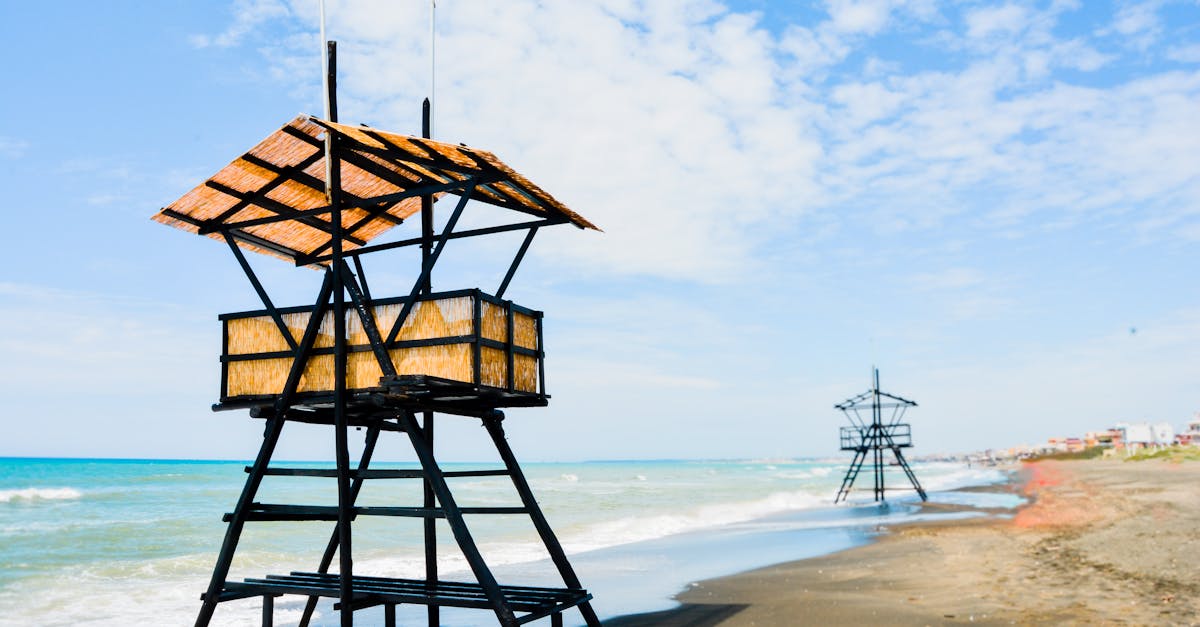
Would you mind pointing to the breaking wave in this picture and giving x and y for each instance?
(39, 494)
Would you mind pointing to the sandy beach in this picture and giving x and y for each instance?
(1100, 542)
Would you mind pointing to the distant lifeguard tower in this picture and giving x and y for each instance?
(872, 436)
(317, 193)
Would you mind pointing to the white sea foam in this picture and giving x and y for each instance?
(39, 494)
(631, 529)
(602, 535)
(953, 476)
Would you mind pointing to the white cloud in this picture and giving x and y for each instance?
(948, 279)
(1138, 24)
(862, 16)
(692, 135)
(1185, 54)
(866, 103)
(248, 15)
(1008, 19)
(653, 130)
(11, 148)
(101, 344)
(1078, 55)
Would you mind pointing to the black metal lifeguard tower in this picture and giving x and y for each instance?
(316, 193)
(875, 437)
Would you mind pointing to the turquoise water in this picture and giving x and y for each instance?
(117, 542)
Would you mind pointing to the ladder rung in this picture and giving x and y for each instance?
(476, 473)
(332, 472)
(273, 512)
(387, 473)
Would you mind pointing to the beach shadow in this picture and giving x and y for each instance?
(682, 616)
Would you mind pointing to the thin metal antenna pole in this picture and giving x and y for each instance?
(432, 60)
(329, 105)
(324, 64)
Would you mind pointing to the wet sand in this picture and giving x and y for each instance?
(1101, 542)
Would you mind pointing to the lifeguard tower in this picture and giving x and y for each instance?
(317, 193)
(874, 435)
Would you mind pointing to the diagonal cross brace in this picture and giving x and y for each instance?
(306, 343)
(428, 266)
(262, 293)
(367, 317)
(512, 269)
(454, 519)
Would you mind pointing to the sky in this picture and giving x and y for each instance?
(996, 204)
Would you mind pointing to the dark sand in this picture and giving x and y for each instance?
(1103, 542)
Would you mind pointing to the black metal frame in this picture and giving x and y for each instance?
(874, 437)
(392, 406)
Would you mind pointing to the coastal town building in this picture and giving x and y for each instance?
(1109, 438)
(1190, 436)
(1125, 437)
(1145, 435)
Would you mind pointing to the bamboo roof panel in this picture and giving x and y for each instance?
(463, 158)
(284, 175)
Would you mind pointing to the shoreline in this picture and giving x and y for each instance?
(1099, 541)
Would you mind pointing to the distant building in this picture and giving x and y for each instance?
(1191, 434)
(1164, 433)
(1020, 451)
(1109, 438)
(1145, 435)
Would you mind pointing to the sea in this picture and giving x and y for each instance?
(102, 542)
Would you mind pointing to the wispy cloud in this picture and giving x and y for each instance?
(104, 343)
(1138, 24)
(11, 148)
(1184, 54)
(247, 15)
(948, 279)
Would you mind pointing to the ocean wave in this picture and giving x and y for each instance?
(590, 536)
(39, 494)
(961, 477)
(631, 529)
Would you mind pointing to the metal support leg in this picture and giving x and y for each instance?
(454, 519)
(233, 533)
(331, 547)
(879, 478)
(433, 612)
(268, 610)
(389, 615)
(557, 555)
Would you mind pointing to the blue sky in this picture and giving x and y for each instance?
(983, 199)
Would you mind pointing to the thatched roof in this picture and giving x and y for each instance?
(285, 175)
